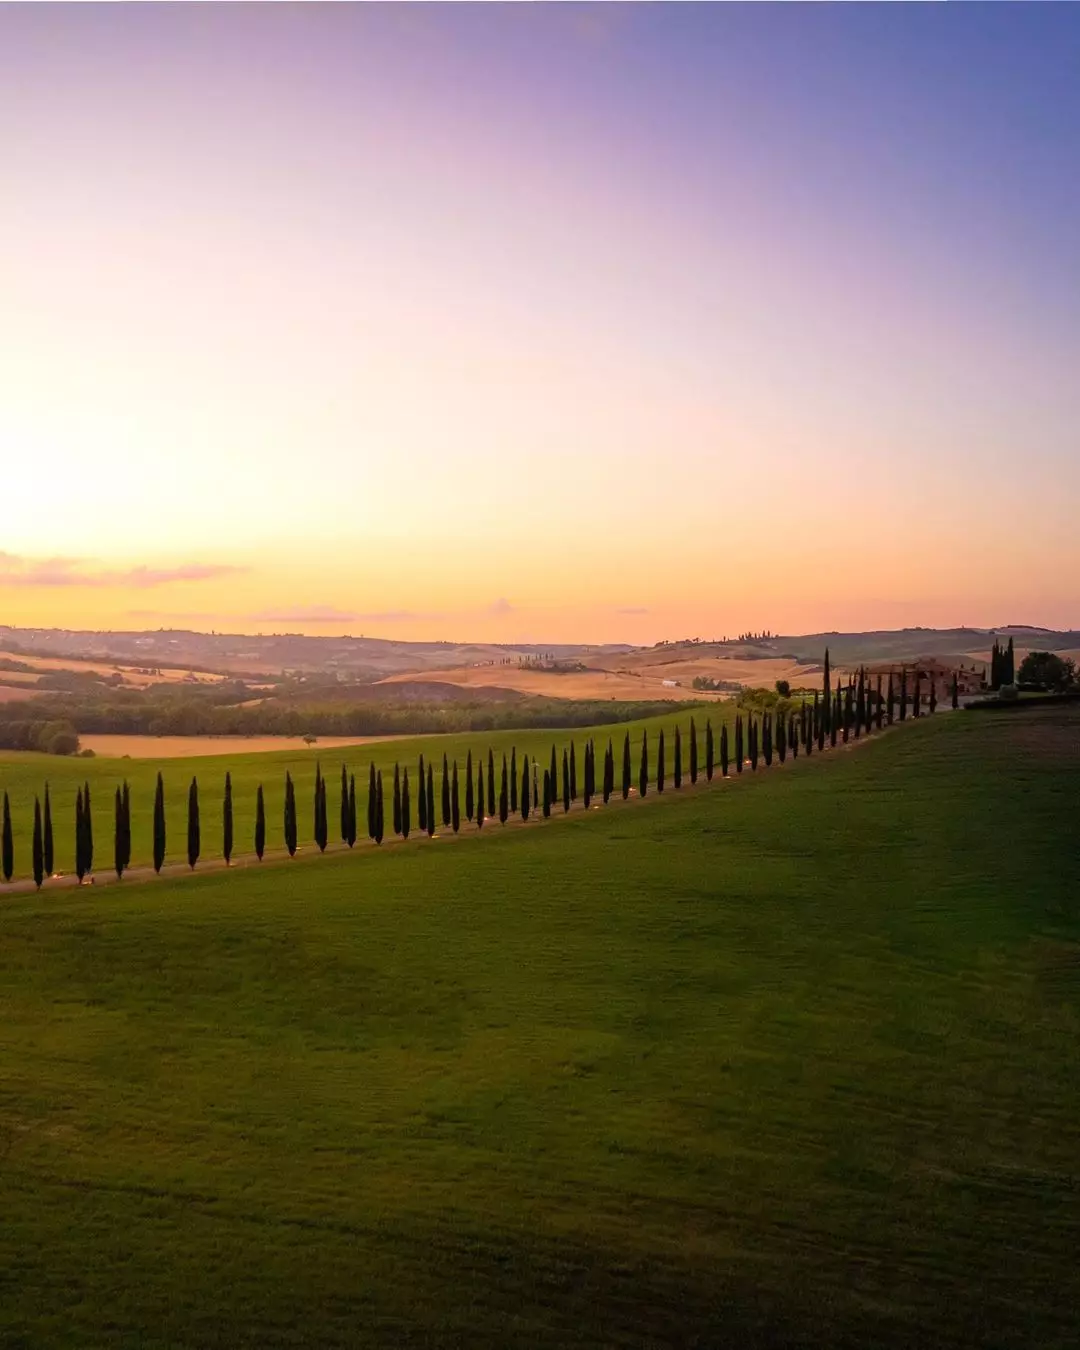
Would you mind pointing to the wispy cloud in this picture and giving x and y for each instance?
(19, 571)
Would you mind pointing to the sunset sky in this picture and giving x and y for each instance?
(526, 323)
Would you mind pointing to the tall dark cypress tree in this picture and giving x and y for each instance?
(916, 697)
(903, 693)
(469, 803)
(504, 793)
(513, 780)
(80, 837)
(455, 801)
(372, 802)
(676, 768)
(491, 785)
(826, 696)
(781, 737)
(118, 834)
(47, 844)
(546, 808)
(37, 847)
(525, 787)
(344, 814)
(227, 822)
(421, 799)
(480, 802)
(159, 824)
(725, 758)
(740, 749)
(709, 749)
(643, 770)
(626, 769)
(890, 702)
(380, 818)
(767, 738)
(430, 795)
(933, 695)
(661, 766)
(125, 813)
(445, 794)
(955, 692)
(260, 825)
(324, 825)
(194, 834)
(860, 704)
(88, 831)
(397, 799)
(350, 807)
(587, 783)
(792, 739)
(406, 822)
(316, 803)
(290, 815)
(573, 774)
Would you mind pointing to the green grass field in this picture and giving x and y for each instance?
(23, 775)
(793, 1061)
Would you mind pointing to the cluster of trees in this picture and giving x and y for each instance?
(1002, 665)
(50, 734)
(1047, 670)
(773, 731)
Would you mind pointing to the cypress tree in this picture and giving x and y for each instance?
(159, 823)
(405, 811)
(587, 787)
(955, 692)
(380, 818)
(626, 769)
(324, 827)
(547, 794)
(47, 841)
(455, 801)
(643, 771)
(903, 693)
(480, 803)
(826, 696)
(860, 705)
(290, 815)
(125, 823)
(554, 776)
(676, 769)
(372, 803)
(470, 805)
(397, 799)
(88, 831)
(194, 837)
(781, 737)
(740, 749)
(118, 834)
(933, 694)
(430, 794)
(525, 788)
(792, 739)
(724, 757)
(260, 825)
(504, 793)
(513, 780)
(445, 796)
(421, 799)
(916, 697)
(767, 738)
(227, 822)
(80, 837)
(661, 767)
(344, 805)
(565, 782)
(350, 808)
(316, 803)
(491, 785)
(890, 702)
(37, 847)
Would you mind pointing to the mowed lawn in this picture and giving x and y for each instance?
(793, 1061)
(23, 776)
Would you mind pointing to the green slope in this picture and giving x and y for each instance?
(786, 1062)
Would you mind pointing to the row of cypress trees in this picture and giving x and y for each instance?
(1002, 664)
(851, 710)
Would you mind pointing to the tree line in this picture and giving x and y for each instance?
(491, 790)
